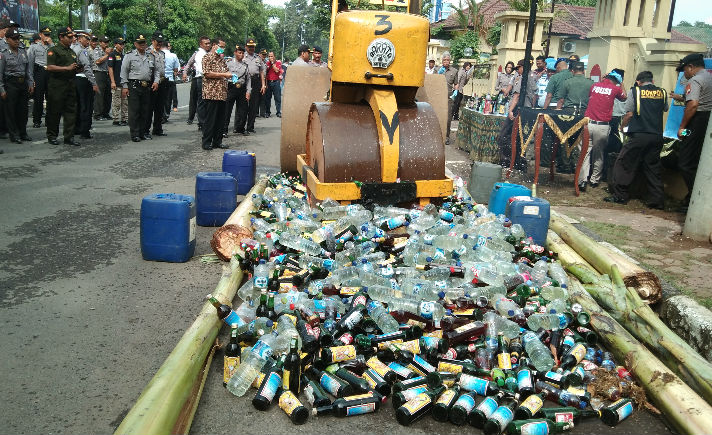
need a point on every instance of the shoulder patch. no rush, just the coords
(688, 89)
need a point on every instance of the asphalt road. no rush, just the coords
(87, 322)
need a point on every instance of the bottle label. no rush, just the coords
(271, 386)
(553, 376)
(343, 353)
(258, 380)
(330, 384)
(230, 364)
(487, 406)
(578, 352)
(564, 417)
(359, 300)
(524, 379)
(378, 366)
(289, 402)
(449, 367)
(427, 309)
(467, 327)
(387, 344)
(309, 393)
(413, 392)
(286, 374)
(260, 282)
(503, 416)
(412, 346)
(421, 363)
(472, 383)
(569, 341)
(400, 370)
(360, 396)
(446, 397)
(353, 319)
(466, 401)
(536, 428)
(417, 403)
(349, 291)
(234, 318)
(361, 409)
(504, 361)
(533, 403)
(262, 349)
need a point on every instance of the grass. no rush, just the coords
(611, 233)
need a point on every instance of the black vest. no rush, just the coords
(649, 108)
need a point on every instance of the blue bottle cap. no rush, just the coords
(464, 236)
(441, 295)
(429, 259)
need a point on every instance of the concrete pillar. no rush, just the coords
(698, 222)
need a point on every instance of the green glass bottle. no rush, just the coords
(537, 426)
(530, 406)
(271, 383)
(617, 412)
(418, 406)
(232, 355)
(289, 403)
(261, 310)
(462, 408)
(352, 405)
(500, 418)
(441, 409)
(567, 413)
(315, 394)
(498, 376)
(484, 409)
(292, 373)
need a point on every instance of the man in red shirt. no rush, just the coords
(599, 112)
(274, 85)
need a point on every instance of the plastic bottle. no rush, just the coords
(427, 310)
(252, 362)
(557, 272)
(301, 244)
(539, 355)
(546, 321)
(386, 323)
(551, 293)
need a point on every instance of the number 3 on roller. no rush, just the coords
(383, 21)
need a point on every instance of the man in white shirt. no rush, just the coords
(431, 69)
(303, 58)
(196, 85)
(172, 65)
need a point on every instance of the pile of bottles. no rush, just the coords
(444, 310)
(487, 104)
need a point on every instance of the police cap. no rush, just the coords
(694, 59)
(318, 49)
(140, 38)
(157, 36)
(46, 31)
(239, 47)
(119, 40)
(65, 31)
(12, 33)
(104, 39)
(263, 52)
(251, 42)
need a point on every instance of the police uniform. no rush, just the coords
(85, 83)
(158, 97)
(15, 80)
(575, 91)
(37, 53)
(119, 103)
(102, 100)
(5, 23)
(138, 74)
(257, 69)
(698, 88)
(61, 91)
(450, 79)
(647, 103)
(237, 94)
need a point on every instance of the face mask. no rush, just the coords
(220, 51)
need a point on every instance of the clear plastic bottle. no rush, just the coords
(557, 272)
(257, 327)
(384, 294)
(551, 293)
(252, 362)
(539, 355)
(498, 324)
(281, 211)
(248, 292)
(386, 323)
(424, 309)
(547, 321)
(246, 311)
(301, 244)
(507, 307)
(260, 277)
(285, 332)
(556, 306)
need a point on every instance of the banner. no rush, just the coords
(677, 108)
(23, 12)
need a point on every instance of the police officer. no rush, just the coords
(61, 91)
(698, 103)
(37, 54)
(303, 56)
(139, 78)
(158, 96)
(257, 70)
(5, 25)
(450, 73)
(644, 117)
(102, 101)
(119, 103)
(317, 53)
(86, 86)
(15, 83)
(238, 91)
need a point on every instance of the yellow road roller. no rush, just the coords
(368, 138)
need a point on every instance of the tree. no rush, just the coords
(55, 13)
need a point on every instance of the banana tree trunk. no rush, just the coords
(645, 283)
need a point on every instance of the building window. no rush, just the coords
(641, 13)
(626, 17)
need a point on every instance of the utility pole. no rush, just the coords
(548, 35)
(528, 53)
(85, 14)
(698, 223)
(284, 28)
(69, 9)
